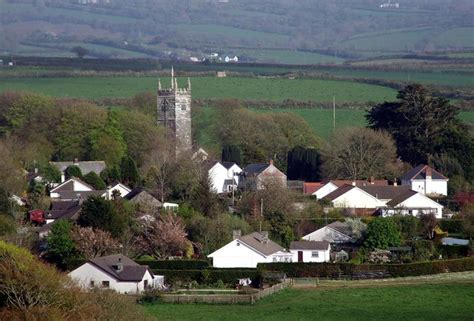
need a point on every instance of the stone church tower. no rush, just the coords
(174, 112)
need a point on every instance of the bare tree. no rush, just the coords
(359, 153)
(429, 222)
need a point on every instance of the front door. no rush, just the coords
(300, 256)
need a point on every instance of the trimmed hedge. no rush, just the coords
(175, 264)
(337, 270)
(208, 276)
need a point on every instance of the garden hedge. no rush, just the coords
(452, 226)
(337, 270)
(175, 264)
(209, 276)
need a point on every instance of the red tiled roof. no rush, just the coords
(310, 187)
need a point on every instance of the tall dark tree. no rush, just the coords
(304, 164)
(424, 125)
(94, 180)
(73, 170)
(204, 199)
(128, 171)
(231, 153)
(99, 213)
(5, 203)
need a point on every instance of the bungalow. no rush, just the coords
(224, 176)
(310, 251)
(412, 203)
(85, 166)
(354, 198)
(117, 189)
(249, 250)
(426, 180)
(328, 187)
(144, 201)
(255, 176)
(74, 189)
(116, 272)
(334, 233)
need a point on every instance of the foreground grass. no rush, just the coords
(432, 302)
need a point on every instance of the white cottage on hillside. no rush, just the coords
(249, 250)
(310, 251)
(74, 189)
(224, 176)
(413, 203)
(118, 189)
(426, 180)
(350, 196)
(326, 188)
(116, 272)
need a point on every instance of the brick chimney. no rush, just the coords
(270, 162)
(428, 172)
(372, 180)
(264, 236)
(119, 265)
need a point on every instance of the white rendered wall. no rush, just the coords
(325, 190)
(356, 198)
(308, 256)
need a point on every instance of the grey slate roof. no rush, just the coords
(309, 245)
(257, 241)
(401, 198)
(341, 227)
(419, 172)
(85, 166)
(68, 185)
(63, 209)
(340, 191)
(255, 169)
(72, 195)
(384, 192)
(131, 272)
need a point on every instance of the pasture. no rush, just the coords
(274, 89)
(450, 301)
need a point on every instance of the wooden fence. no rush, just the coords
(227, 298)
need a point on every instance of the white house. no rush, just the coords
(336, 232)
(224, 176)
(118, 188)
(349, 196)
(230, 59)
(413, 203)
(310, 251)
(328, 187)
(116, 272)
(249, 250)
(74, 189)
(426, 180)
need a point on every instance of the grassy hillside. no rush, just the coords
(414, 302)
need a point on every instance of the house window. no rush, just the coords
(105, 284)
(92, 284)
(145, 284)
(274, 259)
(314, 254)
(183, 107)
(238, 244)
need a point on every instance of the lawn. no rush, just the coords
(206, 87)
(410, 302)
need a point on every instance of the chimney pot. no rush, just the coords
(119, 265)
(264, 236)
(428, 172)
(353, 183)
(372, 180)
(76, 160)
(270, 161)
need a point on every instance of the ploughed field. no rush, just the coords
(450, 301)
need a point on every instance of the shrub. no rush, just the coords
(451, 226)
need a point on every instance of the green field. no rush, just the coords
(206, 87)
(410, 302)
(291, 57)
